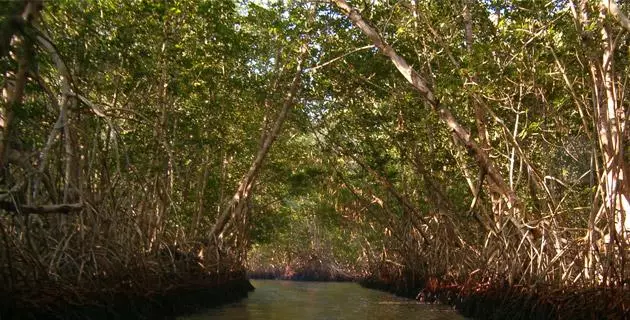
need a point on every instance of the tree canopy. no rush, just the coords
(483, 139)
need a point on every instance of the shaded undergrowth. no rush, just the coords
(502, 301)
(133, 296)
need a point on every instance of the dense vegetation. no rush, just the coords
(474, 141)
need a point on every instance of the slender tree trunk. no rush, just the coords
(15, 82)
(610, 122)
(611, 126)
(61, 126)
(71, 183)
(201, 194)
(420, 84)
(239, 200)
(480, 114)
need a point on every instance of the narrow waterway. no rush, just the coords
(290, 300)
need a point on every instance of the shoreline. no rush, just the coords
(185, 294)
(520, 302)
(170, 296)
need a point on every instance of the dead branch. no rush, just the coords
(64, 208)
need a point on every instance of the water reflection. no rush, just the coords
(288, 300)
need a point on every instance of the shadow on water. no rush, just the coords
(280, 300)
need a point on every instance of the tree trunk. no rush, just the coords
(13, 92)
(239, 200)
(610, 122)
(420, 84)
(201, 194)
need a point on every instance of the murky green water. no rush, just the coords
(288, 300)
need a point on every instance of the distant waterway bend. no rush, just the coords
(292, 300)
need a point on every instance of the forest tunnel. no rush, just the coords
(466, 145)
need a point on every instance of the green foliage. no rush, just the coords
(182, 91)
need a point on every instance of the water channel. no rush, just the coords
(289, 300)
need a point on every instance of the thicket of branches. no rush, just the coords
(466, 139)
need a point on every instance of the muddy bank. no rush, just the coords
(501, 301)
(515, 303)
(160, 297)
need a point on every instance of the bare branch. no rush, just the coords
(421, 85)
(65, 208)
